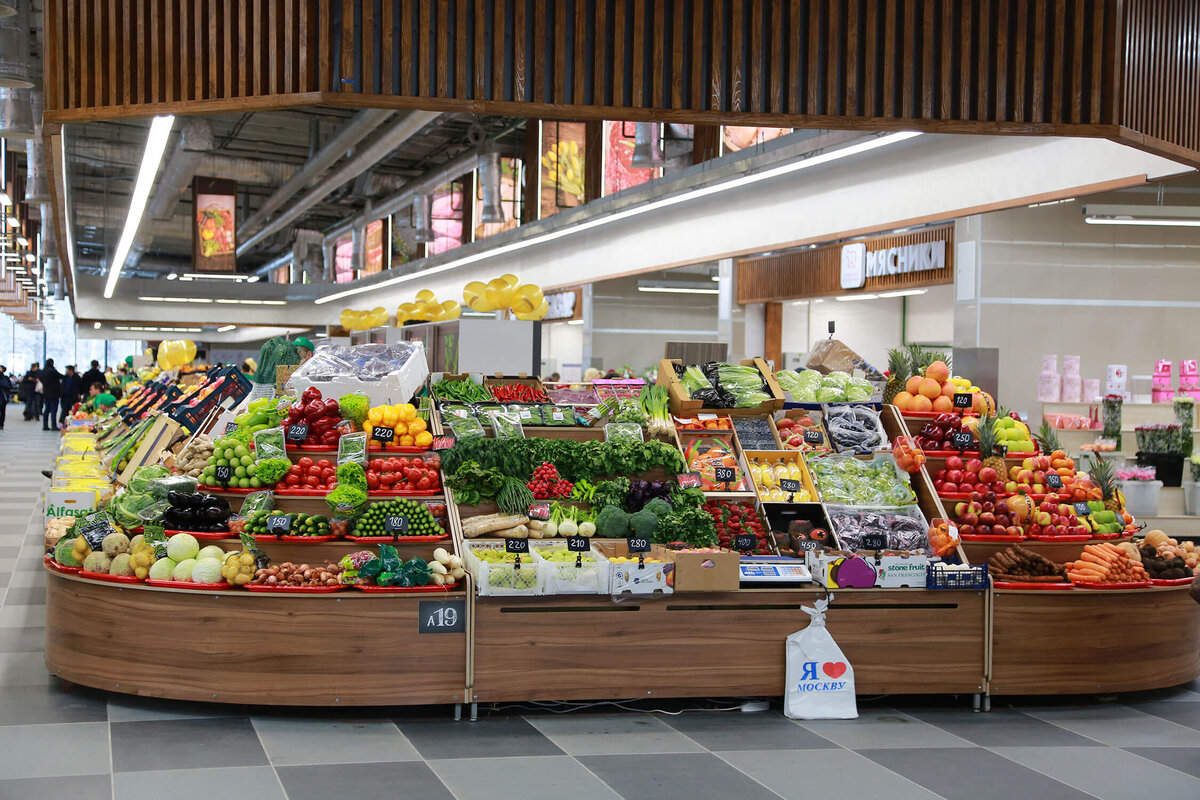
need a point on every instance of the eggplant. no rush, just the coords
(211, 514)
(218, 502)
(178, 499)
(176, 519)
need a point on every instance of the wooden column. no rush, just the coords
(773, 335)
(706, 142)
(593, 160)
(533, 171)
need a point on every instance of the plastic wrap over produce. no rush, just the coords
(386, 373)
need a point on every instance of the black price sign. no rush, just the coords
(813, 436)
(689, 480)
(278, 523)
(790, 485)
(384, 435)
(874, 541)
(442, 442)
(441, 616)
(578, 544)
(518, 546)
(297, 433)
(396, 523)
(1054, 480)
(93, 528)
(808, 545)
(745, 542)
(638, 544)
(726, 474)
(961, 440)
(962, 400)
(1001, 450)
(1082, 510)
(539, 511)
(223, 474)
(230, 427)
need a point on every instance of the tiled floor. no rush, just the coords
(61, 741)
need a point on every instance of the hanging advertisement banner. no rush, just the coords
(214, 239)
(373, 248)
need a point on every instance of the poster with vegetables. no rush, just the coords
(373, 247)
(214, 242)
(562, 166)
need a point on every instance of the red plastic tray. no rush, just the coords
(296, 589)
(218, 490)
(266, 537)
(104, 576)
(441, 538)
(404, 493)
(404, 589)
(209, 587)
(1171, 581)
(396, 448)
(1031, 585)
(371, 538)
(979, 537)
(1069, 537)
(296, 491)
(1104, 537)
(1108, 585)
(205, 535)
(57, 567)
(329, 538)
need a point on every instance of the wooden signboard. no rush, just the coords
(160, 436)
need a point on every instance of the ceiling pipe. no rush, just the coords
(342, 142)
(125, 158)
(17, 70)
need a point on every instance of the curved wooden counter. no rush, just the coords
(344, 649)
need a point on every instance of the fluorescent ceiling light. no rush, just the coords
(800, 303)
(96, 325)
(903, 293)
(677, 290)
(253, 279)
(1051, 203)
(479, 314)
(218, 276)
(632, 211)
(321, 335)
(5, 199)
(13, 222)
(156, 145)
(574, 322)
(21, 240)
(715, 278)
(172, 276)
(154, 299)
(226, 328)
(1168, 216)
(847, 298)
(30, 257)
(231, 301)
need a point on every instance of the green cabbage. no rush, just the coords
(830, 394)
(142, 477)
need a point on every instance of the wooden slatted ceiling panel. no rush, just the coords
(1162, 69)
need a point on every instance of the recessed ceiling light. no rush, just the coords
(13, 222)
(21, 240)
(226, 328)
(30, 257)
(575, 322)
(172, 276)
(96, 325)
(849, 298)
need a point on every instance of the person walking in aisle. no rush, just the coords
(70, 393)
(51, 394)
(93, 375)
(29, 384)
(6, 389)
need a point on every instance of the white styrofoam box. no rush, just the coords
(396, 387)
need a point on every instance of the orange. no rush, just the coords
(949, 389)
(921, 403)
(913, 385)
(903, 401)
(930, 388)
(938, 371)
(943, 403)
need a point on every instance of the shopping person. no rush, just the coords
(305, 346)
(93, 375)
(6, 390)
(51, 394)
(30, 386)
(70, 393)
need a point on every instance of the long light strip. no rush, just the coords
(677, 290)
(1156, 221)
(226, 328)
(156, 145)
(849, 298)
(666, 202)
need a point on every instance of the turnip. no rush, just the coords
(567, 526)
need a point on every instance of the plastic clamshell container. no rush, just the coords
(563, 577)
(499, 579)
(812, 459)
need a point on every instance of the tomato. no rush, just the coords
(372, 479)
(387, 478)
(423, 484)
(296, 470)
(376, 464)
(418, 463)
(313, 471)
(313, 481)
(325, 463)
(328, 474)
(292, 479)
(401, 462)
(305, 462)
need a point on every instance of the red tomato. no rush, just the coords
(314, 471)
(292, 479)
(296, 470)
(313, 481)
(372, 479)
(423, 484)
(325, 463)
(376, 464)
(401, 462)
(328, 474)
(418, 463)
(387, 478)
(305, 462)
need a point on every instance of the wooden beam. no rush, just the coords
(773, 335)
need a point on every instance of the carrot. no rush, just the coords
(1102, 551)
(1097, 560)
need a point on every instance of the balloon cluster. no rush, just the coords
(526, 300)
(176, 353)
(362, 320)
(427, 309)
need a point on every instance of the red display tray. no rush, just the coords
(295, 589)
(1107, 585)
(441, 538)
(104, 576)
(217, 490)
(403, 589)
(204, 535)
(1104, 537)
(979, 537)
(203, 587)
(1031, 585)
(1069, 537)
(370, 539)
(404, 493)
(396, 448)
(296, 491)
(329, 538)
(57, 567)
(266, 537)
(1171, 581)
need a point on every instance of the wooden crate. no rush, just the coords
(775, 457)
(684, 406)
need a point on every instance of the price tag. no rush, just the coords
(516, 546)
(961, 440)
(689, 480)
(395, 524)
(813, 436)
(745, 542)
(790, 485)
(705, 417)
(279, 524)
(1054, 480)
(525, 413)
(223, 475)
(383, 435)
(962, 400)
(874, 541)
(443, 442)
(539, 511)
(1001, 450)
(441, 616)
(230, 427)
(557, 416)
(93, 528)
(579, 544)
(1083, 510)
(297, 433)
(638, 544)
(725, 474)
(808, 545)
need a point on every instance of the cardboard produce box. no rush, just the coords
(891, 571)
(684, 406)
(629, 576)
(707, 572)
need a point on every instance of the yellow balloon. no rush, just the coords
(425, 296)
(494, 298)
(473, 292)
(509, 279)
(498, 283)
(451, 310)
(189, 351)
(536, 314)
(527, 298)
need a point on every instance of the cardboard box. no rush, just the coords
(891, 571)
(707, 572)
(630, 577)
(684, 406)
(895, 572)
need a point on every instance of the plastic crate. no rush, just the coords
(563, 577)
(503, 579)
(973, 577)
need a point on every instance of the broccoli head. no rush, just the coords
(612, 523)
(643, 523)
(659, 507)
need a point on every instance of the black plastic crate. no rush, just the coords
(973, 577)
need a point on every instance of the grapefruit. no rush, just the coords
(949, 389)
(913, 385)
(938, 371)
(942, 404)
(921, 403)
(930, 388)
(903, 401)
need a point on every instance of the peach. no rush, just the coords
(921, 403)
(913, 385)
(942, 404)
(930, 388)
(938, 370)
(903, 401)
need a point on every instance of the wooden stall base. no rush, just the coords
(344, 649)
(721, 645)
(1086, 642)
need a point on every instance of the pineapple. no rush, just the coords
(918, 359)
(986, 433)
(899, 371)
(1102, 473)
(1048, 438)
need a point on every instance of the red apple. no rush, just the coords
(999, 530)
(1004, 520)
(1079, 530)
(1039, 476)
(941, 473)
(1013, 472)
(1038, 488)
(1051, 499)
(966, 530)
(998, 487)
(974, 465)
(989, 495)
(1001, 506)
(960, 508)
(1013, 530)
(987, 518)
(954, 462)
(976, 497)
(1011, 487)
(988, 475)
(1043, 519)
(1035, 529)
(970, 518)
(946, 488)
(937, 484)
(1026, 476)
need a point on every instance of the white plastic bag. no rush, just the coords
(820, 681)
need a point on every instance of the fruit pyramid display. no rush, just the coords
(1012, 433)
(919, 380)
(899, 371)
(1102, 473)
(987, 434)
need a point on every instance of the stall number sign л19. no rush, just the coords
(725, 474)
(297, 433)
(962, 400)
(384, 435)
(1054, 480)
(441, 616)
(278, 523)
(745, 542)
(395, 524)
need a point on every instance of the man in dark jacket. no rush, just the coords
(51, 394)
(6, 390)
(93, 375)
(70, 393)
(33, 398)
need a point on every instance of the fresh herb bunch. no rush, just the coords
(611, 493)
(688, 524)
(514, 496)
(472, 484)
(575, 460)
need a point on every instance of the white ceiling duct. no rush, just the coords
(647, 145)
(37, 188)
(17, 70)
(422, 210)
(16, 114)
(489, 182)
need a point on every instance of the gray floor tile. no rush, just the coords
(10, 551)
(1002, 728)
(42, 705)
(538, 778)
(737, 731)
(686, 776)
(613, 734)
(8, 563)
(258, 783)
(1120, 726)
(1109, 774)
(22, 640)
(1184, 759)
(1186, 714)
(78, 787)
(127, 708)
(28, 578)
(24, 669)
(13, 615)
(387, 781)
(290, 741)
(883, 728)
(26, 595)
(840, 774)
(973, 774)
(185, 744)
(46, 751)
(486, 738)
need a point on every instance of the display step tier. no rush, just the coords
(1058, 552)
(316, 504)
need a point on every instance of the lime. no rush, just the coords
(240, 471)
